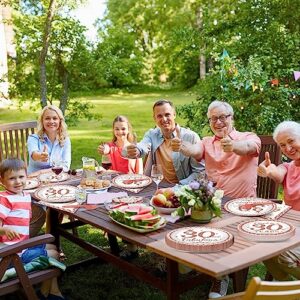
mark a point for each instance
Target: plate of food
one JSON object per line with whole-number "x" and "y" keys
{"x": 128, "y": 199}
{"x": 266, "y": 230}
{"x": 138, "y": 217}
{"x": 250, "y": 207}
{"x": 131, "y": 181}
{"x": 94, "y": 184}
{"x": 165, "y": 201}
{"x": 31, "y": 183}
{"x": 56, "y": 193}
{"x": 51, "y": 177}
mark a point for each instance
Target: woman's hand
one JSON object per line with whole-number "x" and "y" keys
{"x": 266, "y": 168}
{"x": 41, "y": 156}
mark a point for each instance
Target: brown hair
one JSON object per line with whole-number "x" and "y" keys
{"x": 162, "y": 102}
{"x": 11, "y": 164}
{"x": 130, "y": 137}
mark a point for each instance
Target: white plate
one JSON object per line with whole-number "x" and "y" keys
{"x": 95, "y": 190}
{"x": 266, "y": 230}
{"x": 128, "y": 199}
{"x": 131, "y": 181}
{"x": 56, "y": 193}
{"x": 51, "y": 177}
{"x": 159, "y": 225}
{"x": 163, "y": 210}
{"x": 31, "y": 183}
{"x": 250, "y": 207}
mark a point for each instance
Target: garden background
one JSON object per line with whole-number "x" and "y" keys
{"x": 187, "y": 51}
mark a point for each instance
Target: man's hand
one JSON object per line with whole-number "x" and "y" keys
{"x": 44, "y": 155}
{"x": 176, "y": 142}
{"x": 9, "y": 233}
{"x": 132, "y": 151}
{"x": 227, "y": 143}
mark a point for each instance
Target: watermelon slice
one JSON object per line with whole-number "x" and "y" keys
{"x": 145, "y": 210}
{"x": 147, "y": 216}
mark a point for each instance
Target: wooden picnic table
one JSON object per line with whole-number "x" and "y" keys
{"x": 235, "y": 260}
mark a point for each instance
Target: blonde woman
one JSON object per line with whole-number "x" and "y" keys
{"x": 51, "y": 142}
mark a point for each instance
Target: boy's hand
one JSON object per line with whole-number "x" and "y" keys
{"x": 9, "y": 233}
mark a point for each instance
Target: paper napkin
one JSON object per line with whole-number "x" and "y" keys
{"x": 278, "y": 212}
{"x": 105, "y": 197}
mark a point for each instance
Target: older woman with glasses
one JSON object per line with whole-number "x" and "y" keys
{"x": 231, "y": 159}
{"x": 287, "y": 136}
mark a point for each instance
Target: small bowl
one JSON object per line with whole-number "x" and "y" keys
{"x": 163, "y": 210}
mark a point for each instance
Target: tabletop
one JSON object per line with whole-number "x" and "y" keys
{"x": 237, "y": 258}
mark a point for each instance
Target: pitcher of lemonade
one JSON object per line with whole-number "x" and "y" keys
{"x": 89, "y": 166}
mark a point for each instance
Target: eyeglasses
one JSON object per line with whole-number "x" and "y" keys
{"x": 222, "y": 118}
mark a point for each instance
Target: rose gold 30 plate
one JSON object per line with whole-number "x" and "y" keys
{"x": 131, "y": 181}
{"x": 266, "y": 230}
{"x": 51, "y": 177}
{"x": 199, "y": 239}
{"x": 250, "y": 207}
{"x": 56, "y": 193}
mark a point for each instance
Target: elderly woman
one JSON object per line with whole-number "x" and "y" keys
{"x": 287, "y": 136}
{"x": 51, "y": 141}
{"x": 231, "y": 159}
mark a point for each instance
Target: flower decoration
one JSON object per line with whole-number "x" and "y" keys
{"x": 200, "y": 195}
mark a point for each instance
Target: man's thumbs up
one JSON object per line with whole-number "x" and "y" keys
{"x": 176, "y": 141}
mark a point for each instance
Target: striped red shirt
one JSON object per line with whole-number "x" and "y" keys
{"x": 15, "y": 213}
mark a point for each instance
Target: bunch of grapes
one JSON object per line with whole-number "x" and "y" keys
{"x": 174, "y": 200}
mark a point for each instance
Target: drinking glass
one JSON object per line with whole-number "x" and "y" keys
{"x": 157, "y": 174}
{"x": 57, "y": 167}
{"x": 105, "y": 162}
{"x": 80, "y": 195}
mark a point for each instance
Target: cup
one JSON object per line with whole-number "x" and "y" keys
{"x": 80, "y": 195}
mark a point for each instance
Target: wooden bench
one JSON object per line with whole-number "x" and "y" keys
{"x": 24, "y": 280}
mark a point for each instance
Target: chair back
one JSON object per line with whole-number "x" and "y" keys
{"x": 266, "y": 187}
{"x": 13, "y": 138}
{"x": 272, "y": 290}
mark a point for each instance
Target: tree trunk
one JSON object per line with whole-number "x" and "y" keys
{"x": 44, "y": 51}
{"x": 64, "y": 77}
{"x": 202, "y": 58}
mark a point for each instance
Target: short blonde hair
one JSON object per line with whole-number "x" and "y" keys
{"x": 291, "y": 127}
{"x": 62, "y": 133}
{"x": 218, "y": 103}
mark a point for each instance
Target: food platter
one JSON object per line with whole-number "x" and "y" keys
{"x": 199, "y": 239}
{"x": 51, "y": 177}
{"x": 163, "y": 210}
{"x": 159, "y": 225}
{"x": 131, "y": 181}
{"x": 31, "y": 183}
{"x": 250, "y": 207}
{"x": 266, "y": 230}
{"x": 91, "y": 190}
{"x": 56, "y": 193}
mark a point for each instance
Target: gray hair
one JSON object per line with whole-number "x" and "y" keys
{"x": 289, "y": 126}
{"x": 217, "y": 103}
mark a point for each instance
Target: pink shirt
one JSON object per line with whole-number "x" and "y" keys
{"x": 121, "y": 164}
{"x": 235, "y": 174}
{"x": 291, "y": 185}
{"x": 15, "y": 213}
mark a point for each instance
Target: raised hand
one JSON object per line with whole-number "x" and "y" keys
{"x": 132, "y": 151}
{"x": 44, "y": 155}
{"x": 176, "y": 142}
{"x": 103, "y": 149}
{"x": 226, "y": 142}
{"x": 266, "y": 167}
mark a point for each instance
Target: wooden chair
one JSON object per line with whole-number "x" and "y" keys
{"x": 267, "y": 188}
{"x": 268, "y": 290}
{"x": 13, "y": 138}
{"x": 24, "y": 280}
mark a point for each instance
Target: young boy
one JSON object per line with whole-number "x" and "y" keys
{"x": 15, "y": 214}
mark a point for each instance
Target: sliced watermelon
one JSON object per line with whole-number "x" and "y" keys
{"x": 145, "y": 210}
{"x": 142, "y": 217}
